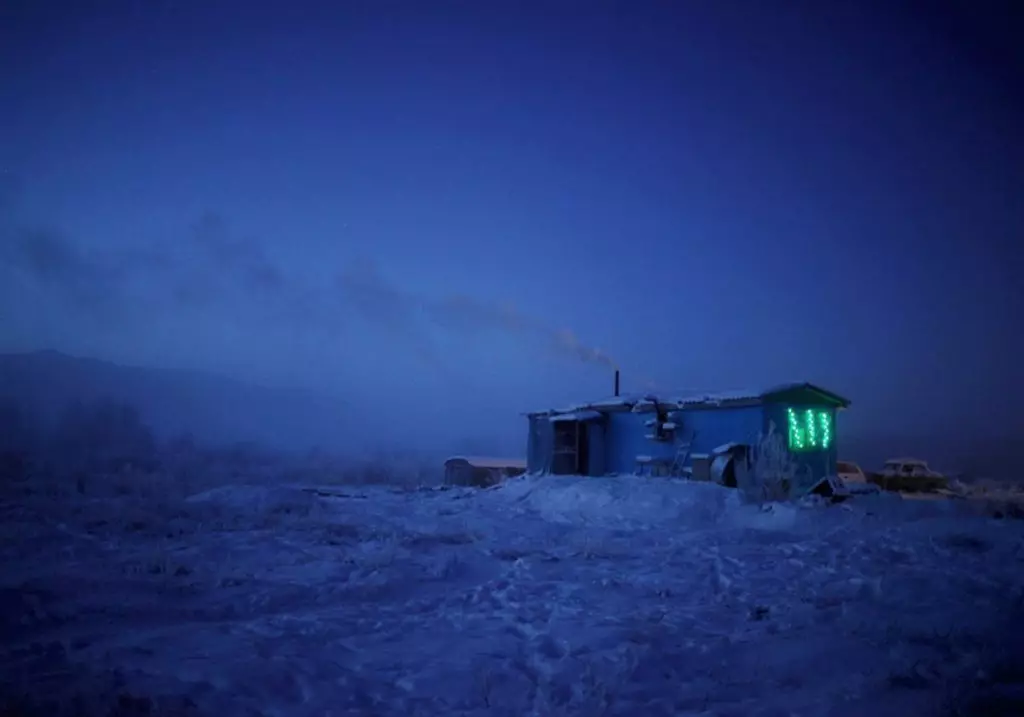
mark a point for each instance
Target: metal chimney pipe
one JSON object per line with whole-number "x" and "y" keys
{"x": 616, "y": 382}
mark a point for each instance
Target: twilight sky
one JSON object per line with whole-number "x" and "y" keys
{"x": 453, "y": 202}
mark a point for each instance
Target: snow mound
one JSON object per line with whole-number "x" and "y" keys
{"x": 623, "y": 500}
{"x": 771, "y": 516}
{"x": 256, "y": 499}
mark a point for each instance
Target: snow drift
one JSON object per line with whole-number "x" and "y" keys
{"x": 552, "y": 596}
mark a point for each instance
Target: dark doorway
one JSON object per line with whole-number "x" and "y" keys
{"x": 571, "y": 448}
{"x": 582, "y": 449}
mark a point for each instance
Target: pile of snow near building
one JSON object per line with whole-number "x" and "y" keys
{"x": 544, "y": 595}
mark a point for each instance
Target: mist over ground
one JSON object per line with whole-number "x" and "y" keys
{"x": 223, "y": 582}
{"x": 264, "y": 266}
{"x": 217, "y": 410}
{"x": 286, "y": 559}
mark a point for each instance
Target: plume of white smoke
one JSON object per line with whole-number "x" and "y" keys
{"x": 465, "y": 313}
{"x": 567, "y": 341}
{"x": 365, "y": 289}
{"x": 222, "y": 271}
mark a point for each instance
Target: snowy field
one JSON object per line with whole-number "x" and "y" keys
{"x": 553, "y": 596}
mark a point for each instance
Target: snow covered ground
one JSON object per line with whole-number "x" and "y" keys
{"x": 549, "y": 596}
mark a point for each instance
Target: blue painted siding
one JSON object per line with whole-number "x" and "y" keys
{"x": 596, "y": 455}
{"x": 712, "y": 427}
{"x": 539, "y": 444}
{"x": 625, "y": 441}
{"x": 812, "y": 465}
{"x": 617, "y": 439}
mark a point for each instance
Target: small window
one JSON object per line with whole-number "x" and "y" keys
{"x": 809, "y": 429}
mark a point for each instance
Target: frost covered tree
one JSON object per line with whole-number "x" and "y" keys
{"x": 770, "y": 472}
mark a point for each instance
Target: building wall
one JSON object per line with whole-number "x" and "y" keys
{"x": 625, "y": 441}
{"x": 597, "y": 455}
{"x": 539, "y": 444}
{"x": 616, "y": 441}
{"x": 813, "y": 465}
{"x": 713, "y": 427}
{"x": 709, "y": 428}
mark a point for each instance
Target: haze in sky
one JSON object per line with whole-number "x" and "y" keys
{"x": 454, "y": 212}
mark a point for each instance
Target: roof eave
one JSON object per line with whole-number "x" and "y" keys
{"x": 718, "y": 405}
{"x": 829, "y": 396}
{"x": 646, "y": 404}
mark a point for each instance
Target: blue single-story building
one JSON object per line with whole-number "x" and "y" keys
{"x": 694, "y": 436}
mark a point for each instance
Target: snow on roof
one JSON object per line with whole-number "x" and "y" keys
{"x": 576, "y": 416}
{"x": 489, "y": 462}
{"x": 721, "y": 397}
{"x": 611, "y": 403}
{"x": 640, "y": 402}
{"x": 616, "y": 401}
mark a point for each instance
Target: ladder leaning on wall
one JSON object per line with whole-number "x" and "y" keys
{"x": 683, "y": 447}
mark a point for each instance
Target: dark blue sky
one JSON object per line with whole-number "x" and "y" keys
{"x": 419, "y": 199}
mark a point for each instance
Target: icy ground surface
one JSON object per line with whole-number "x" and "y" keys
{"x": 555, "y": 596}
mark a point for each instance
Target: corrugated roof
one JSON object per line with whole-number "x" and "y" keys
{"x": 670, "y": 400}
{"x": 587, "y": 415}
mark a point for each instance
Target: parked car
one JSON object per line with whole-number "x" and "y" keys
{"x": 850, "y": 472}
{"x": 908, "y": 467}
{"x": 909, "y": 475}
{"x": 854, "y": 480}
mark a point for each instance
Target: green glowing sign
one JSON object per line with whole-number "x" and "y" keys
{"x": 809, "y": 429}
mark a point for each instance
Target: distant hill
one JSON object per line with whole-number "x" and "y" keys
{"x": 210, "y": 407}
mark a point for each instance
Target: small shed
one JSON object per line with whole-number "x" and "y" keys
{"x": 674, "y": 434}
{"x": 480, "y": 471}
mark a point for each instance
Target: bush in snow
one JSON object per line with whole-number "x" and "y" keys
{"x": 770, "y": 472}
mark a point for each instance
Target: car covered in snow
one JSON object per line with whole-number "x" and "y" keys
{"x": 907, "y": 468}
{"x": 909, "y": 475}
{"x": 850, "y": 472}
